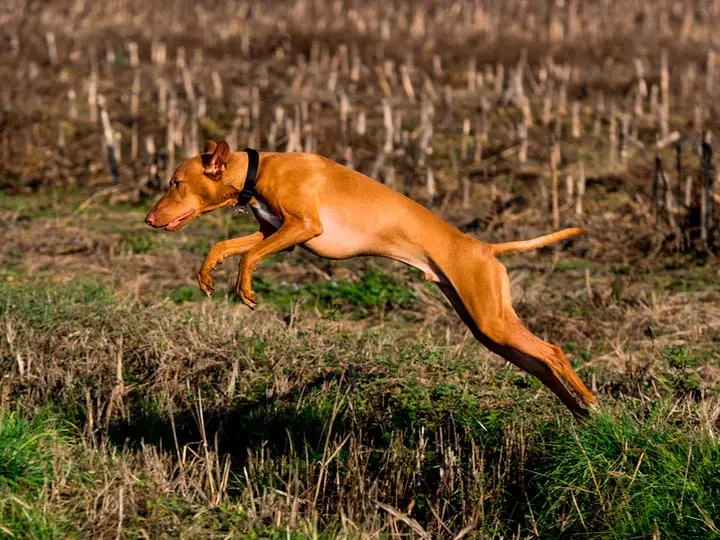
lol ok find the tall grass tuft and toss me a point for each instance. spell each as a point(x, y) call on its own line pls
point(628, 478)
point(27, 468)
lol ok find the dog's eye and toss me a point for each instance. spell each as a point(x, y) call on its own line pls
point(174, 183)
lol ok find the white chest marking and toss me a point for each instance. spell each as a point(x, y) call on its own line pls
point(265, 214)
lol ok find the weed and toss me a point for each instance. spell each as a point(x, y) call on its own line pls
point(186, 293)
point(140, 243)
point(374, 291)
point(678, 357)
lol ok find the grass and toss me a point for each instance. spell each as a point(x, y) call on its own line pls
point(632, 478)
point(25, 459)
point(352, 403)
point(28, 469)
point(373, 291)
point(209, 430)
point(137, 405)
point(42, 306)
point(622, 474)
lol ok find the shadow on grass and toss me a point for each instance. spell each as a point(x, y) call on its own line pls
point(626, 473)
point(388, 431)
point(242, 428)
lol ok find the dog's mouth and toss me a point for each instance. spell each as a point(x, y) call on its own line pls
point(179, 221)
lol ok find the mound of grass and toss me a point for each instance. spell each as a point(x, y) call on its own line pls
point(186, 293)
point(374, 290)
point(25, 453)
point(681, 361)
point(27, 468)
point(622, 477)
point(679, 357)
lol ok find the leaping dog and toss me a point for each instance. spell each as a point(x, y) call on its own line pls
point(337, 213)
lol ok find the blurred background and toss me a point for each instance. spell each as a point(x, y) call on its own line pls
point(353, 403)
point(522, 106)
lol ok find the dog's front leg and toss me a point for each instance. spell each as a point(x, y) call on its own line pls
point(293, 232)
point(222, 250)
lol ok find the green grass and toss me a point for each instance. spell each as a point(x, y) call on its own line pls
point(680, 375)
point(679, 357)
point(375, 290)
point(27, 470)
point(186, 293)
point(621, 474)
point(418, 422)
point(628, 477)
point(42, 305)
point(142, 243)
point(25, 456)
point(44, 203)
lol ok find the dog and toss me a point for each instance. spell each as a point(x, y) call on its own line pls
point(337, 213)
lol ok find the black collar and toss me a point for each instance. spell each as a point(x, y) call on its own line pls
point(248, 189)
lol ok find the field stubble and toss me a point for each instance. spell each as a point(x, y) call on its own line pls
point(353, 403)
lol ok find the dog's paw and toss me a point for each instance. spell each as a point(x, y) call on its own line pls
point(248, 297)
point(207, 285)
point(595, 407)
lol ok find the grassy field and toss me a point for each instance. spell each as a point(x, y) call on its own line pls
point(353, 403)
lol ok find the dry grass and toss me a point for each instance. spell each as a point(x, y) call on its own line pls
point(353, 403)
point(201, 417)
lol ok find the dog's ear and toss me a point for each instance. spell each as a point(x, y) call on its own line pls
point(218, 161)
point(209, 147)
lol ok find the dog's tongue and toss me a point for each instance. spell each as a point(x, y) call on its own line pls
point(174, 222)
point(178, 219)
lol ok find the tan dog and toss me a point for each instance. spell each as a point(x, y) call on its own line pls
point(337, 213)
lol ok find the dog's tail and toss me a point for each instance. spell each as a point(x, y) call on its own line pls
point(534, 243)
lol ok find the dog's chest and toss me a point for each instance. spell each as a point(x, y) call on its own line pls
point(262, 212)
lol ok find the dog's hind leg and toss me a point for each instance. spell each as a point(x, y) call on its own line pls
point(546, 375)
point(481, 286)
point(527, 363)
point(520, 338)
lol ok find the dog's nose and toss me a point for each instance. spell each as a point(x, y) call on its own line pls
point(150, 220)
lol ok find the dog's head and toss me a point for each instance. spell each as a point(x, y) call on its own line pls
point(195, 188)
